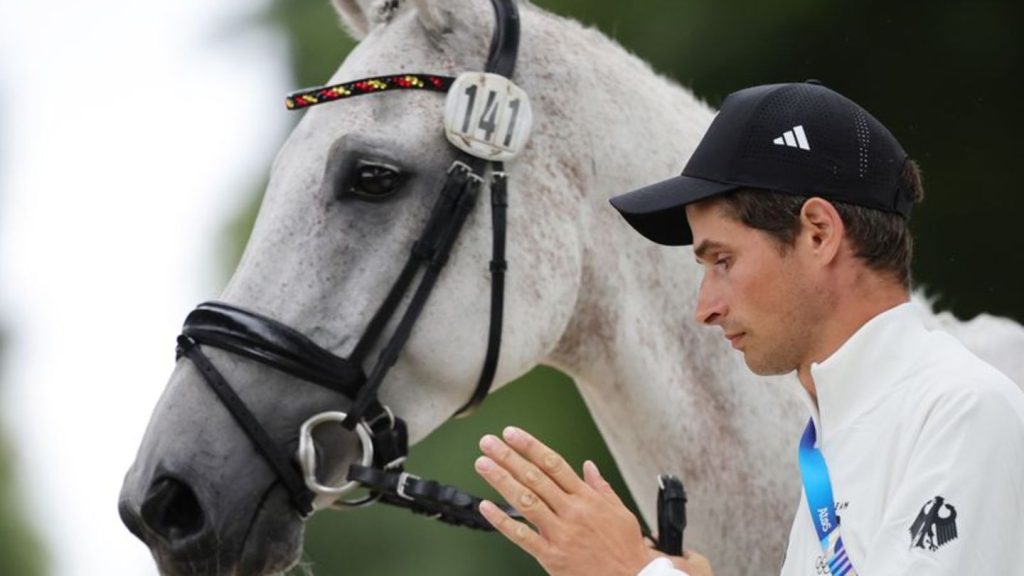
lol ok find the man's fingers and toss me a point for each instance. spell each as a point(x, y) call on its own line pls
point(692, 563)
point(527, 473)
point(549, 461)
point(592, 476)
point(518, 496)
point(520, 534)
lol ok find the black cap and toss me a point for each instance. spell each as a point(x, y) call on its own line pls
point(800, 138)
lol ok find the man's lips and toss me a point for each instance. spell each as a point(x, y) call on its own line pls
point(735, 338)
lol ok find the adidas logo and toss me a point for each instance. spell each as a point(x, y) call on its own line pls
point(794, 138)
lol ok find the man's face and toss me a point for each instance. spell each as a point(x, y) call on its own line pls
point(761, 295)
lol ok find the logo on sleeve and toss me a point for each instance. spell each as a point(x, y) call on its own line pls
point(935, 525)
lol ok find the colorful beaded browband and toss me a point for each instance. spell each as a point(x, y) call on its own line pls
point(313, 96)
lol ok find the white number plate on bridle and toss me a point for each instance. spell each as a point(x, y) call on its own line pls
point(487, 116)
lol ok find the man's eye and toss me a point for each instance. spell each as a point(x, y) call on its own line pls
point(375, 181)
point(723, 263)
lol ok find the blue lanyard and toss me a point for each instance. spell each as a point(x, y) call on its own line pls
point(822, 505)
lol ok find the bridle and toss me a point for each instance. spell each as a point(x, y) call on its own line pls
point(474, 125)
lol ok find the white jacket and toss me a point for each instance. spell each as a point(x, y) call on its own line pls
point(908, 420)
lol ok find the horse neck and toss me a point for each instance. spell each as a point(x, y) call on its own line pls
point(626, 127)
point(641, 362)
point(631, 335)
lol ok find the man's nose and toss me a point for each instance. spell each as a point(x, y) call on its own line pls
point(710, 306)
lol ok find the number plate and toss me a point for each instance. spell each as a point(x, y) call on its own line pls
point(487, 116)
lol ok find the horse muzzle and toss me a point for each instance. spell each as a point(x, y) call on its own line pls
point(190, 535)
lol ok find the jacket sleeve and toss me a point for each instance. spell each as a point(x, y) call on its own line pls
point(661, 567)
point(958, 506)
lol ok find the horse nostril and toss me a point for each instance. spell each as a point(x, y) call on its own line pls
point(130, 519)
point(172, 510)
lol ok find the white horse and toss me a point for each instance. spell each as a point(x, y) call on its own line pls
point(585, 294)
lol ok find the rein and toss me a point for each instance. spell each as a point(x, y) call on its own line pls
point(487, 119)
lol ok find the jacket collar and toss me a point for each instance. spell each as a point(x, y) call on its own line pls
point(865, 369)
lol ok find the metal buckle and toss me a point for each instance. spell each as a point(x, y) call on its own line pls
point(388, 413)
point(395, 463)
point(460, 165)
point(356, 503)
point(402, 479)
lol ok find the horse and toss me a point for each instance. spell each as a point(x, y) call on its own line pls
point(349, 193)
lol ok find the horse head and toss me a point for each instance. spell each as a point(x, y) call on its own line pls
point(350, 195)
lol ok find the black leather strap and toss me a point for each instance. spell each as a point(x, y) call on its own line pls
point(281, 462)
point(501, 60)
point(445, 503)
point(423, 250)
point(272, 343)
point(469, 181)
point(390, 441)
point(499, 209)
point(505, 42)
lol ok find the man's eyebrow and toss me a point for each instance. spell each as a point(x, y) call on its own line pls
point(706, 245)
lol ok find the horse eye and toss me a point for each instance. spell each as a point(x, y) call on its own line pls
point(375, 181)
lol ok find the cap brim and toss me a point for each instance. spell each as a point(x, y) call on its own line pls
point(658, 211)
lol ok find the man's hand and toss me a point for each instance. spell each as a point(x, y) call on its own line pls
point(692, 563)
point(582, 527)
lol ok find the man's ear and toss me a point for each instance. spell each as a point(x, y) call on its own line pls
point(822, 228)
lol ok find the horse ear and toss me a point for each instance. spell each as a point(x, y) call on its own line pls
point(353, 16)
point(359, 16)
point(433, 17)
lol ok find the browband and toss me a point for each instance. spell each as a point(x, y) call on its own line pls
point(318, 95)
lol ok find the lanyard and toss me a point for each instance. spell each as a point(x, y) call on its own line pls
point(821, 504)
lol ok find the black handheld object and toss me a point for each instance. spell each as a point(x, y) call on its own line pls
point(671, 514)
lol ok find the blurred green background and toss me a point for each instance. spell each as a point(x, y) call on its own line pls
point(940, 75)
point(20, 551)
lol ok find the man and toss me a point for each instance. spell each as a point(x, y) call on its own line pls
point(797, 201)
